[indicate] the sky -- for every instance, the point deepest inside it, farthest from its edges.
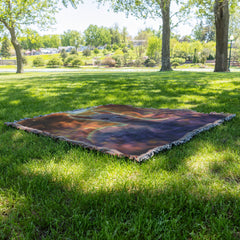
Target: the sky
(88, 13)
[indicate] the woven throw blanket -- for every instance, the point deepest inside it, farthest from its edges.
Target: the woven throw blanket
(123, 130)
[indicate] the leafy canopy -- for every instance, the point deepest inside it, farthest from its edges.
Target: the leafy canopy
(21, 13)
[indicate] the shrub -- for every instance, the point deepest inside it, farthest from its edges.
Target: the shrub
(119, 60)
(118, 52)
(109, 61)
(115, 46)
(86, 52)
(109, 48)
(138, 62)
(97, 62)
(73, 61)
(105, 52)
(203, 59)
(38, 62)
(150, 62)
(24, 60)
(63, 54)
(68, 60)
(131, 46)
(96, 50)
(175, 64)
(74, 51)
(178, 60)
(54, 62)
(76, 62)
(126, 59)
(125, 50)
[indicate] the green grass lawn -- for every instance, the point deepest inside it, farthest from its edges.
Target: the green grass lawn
(53, 190)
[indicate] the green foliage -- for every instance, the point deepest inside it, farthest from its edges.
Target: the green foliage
(124, 35)
(73, 3)
(115, 35)
(68, 60)
(97, 36)
(115, 47)
(17, 14)
(38, 62)
(175, 64)
(109, 47)
(77, 62)
(71, 38)
(24, 60)
(126, 59)
(86, 52)
(109, 62)
(154, 48)
(51, 41)
(236, 52)
(73, 61)
(150, 62)
(138, 62)
(31, 40)
(5, 49)
(96, 50)
(118, 52)
(205, 33)
(125, 50)
(74, 51)
(97, 62)
(178, 60)
(119, 60)
(105, 51)
(63, 54)
(139, 51)
(192, 50)
(54, 62)
(145, 35)
(195, 57)
(234, 25)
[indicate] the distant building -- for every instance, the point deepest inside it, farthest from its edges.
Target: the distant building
(33, 52)
(82, 48)
(137, 43)
(67, 48)
(48, 50)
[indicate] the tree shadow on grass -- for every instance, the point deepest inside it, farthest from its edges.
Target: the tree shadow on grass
(37, 95)
(42, 206)
(110, 198)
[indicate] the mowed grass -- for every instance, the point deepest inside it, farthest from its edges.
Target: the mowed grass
(53, 190)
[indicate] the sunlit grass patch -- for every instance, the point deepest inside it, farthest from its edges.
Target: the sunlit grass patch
(53, 190)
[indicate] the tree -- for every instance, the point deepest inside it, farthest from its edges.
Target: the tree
(205, 32)
(51, 41)
(165, 9)
(5, 49)
(221, 10)
(115, 35)
(15, 15)
(72, 38)
(144, 9)
(234, 25)
(124, 35)
(97, 36)
(144, 35)
(31, 41)
(154, 48)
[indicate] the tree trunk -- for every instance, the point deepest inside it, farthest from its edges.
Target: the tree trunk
(17, 48)
(165, 8)
(221, 12)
